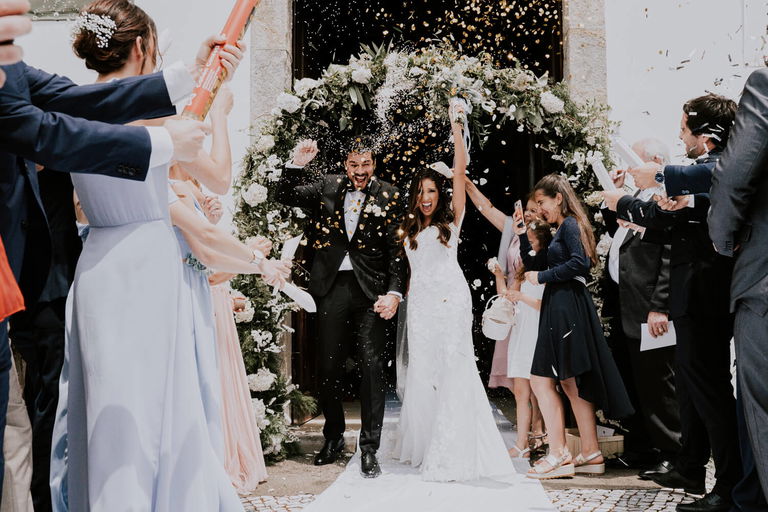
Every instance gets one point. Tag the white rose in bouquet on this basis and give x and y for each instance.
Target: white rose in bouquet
(303, 86)
(362, 75)
(551, 103)
(265, 143)
(604, 245)
(255, 194)
(288, 102)
(262, 380)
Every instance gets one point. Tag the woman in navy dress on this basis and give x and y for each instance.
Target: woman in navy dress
(571, 350)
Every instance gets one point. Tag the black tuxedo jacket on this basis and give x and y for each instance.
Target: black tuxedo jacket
(35, 126)
(699, 277)
(739, 214)
(375, 251)
(644, 277)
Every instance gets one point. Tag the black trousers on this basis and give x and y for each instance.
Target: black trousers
(653, 376)
(707, 404)
(748, 495)
(347, 324)
(38, 335)
(751, 334)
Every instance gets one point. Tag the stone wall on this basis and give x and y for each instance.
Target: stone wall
(585, 62)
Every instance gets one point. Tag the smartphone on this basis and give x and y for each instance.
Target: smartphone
(519, 211)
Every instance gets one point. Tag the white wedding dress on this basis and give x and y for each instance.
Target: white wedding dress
(446, 425)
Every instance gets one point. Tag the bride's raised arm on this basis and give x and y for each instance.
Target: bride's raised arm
(459, 164)
(484, 205)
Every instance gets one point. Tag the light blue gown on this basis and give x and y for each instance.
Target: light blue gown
(131, 431)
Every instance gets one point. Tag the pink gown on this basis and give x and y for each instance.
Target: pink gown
(499, 378)
(243, 458)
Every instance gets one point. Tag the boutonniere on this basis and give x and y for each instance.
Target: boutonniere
(374, 209)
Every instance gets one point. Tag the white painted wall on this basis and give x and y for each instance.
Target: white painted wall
(189, 21)
(647, 40)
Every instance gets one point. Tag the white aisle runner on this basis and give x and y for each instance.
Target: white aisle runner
(401, 489)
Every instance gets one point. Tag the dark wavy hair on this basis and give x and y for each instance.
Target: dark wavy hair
(543, 233)
(712, 115)
(553, 184)
(413, 221)
(131, 22)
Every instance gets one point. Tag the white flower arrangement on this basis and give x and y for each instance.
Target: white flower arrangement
(551, 103)
(255, 194)
(261, 380)
(604, 245)
(288, 102)
(261, 338)
(260, 412)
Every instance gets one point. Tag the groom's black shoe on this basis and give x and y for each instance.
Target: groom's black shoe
(330, 452)
(674, 480)
(369, 466)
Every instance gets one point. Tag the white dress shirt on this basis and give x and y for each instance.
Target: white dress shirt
(620, 237)
(353, 204)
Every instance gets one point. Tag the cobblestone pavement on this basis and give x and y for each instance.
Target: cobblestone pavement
(571, 500)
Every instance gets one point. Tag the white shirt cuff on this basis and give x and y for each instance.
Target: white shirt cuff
(396, 294)
(691, 201)
(162, 146)
(291, 165)
(178, 81)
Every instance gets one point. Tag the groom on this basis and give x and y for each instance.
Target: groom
(358, 279)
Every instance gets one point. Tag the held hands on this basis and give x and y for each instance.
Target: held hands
(187, 137)
(304, 152)
(658, 324)
(387, 306)
(230, 55)
(275, 272)
(213, 209)
(645, 175)
(532, 277)
(12, 25)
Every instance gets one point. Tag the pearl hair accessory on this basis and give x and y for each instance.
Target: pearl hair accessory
(102, 25)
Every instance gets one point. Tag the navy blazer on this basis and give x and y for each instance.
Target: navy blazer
(36, 126)
(682, 180)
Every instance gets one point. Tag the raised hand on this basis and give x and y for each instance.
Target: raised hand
(230, 55)
(187, 137)
(12, 25)
(224, 102)
(519, 222)
(645, 175)
(618, 177)
(261, 244)
(304, 152)
(275, 272)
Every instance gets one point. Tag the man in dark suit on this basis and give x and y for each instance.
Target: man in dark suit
(36, 126)
(698, 306)
(738, 225)
(358, 279)
(641, 270)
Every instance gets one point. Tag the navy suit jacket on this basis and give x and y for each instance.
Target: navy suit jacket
(36, 125)
(682, 180)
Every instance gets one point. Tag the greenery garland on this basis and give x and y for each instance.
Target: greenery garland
(394, 89)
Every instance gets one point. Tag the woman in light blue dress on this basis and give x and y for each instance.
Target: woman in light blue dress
(131, 431)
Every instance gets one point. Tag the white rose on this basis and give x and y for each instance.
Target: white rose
(260, 412)
(288, 102)
(303, 86)
(262, 380)
(551, 103)
(255, 194)
(265, 143)
(299, 213)
(362, 75)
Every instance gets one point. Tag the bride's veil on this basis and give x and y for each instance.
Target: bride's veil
(401, 349)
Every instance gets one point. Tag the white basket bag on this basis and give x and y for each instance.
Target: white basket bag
(498, 317)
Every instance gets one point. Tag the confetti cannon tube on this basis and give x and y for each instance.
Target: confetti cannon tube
(214, 74)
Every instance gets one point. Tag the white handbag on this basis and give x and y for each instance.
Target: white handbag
(498, 317)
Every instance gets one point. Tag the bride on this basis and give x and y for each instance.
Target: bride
(446, 424)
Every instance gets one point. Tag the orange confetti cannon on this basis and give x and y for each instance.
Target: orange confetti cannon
(214, 74)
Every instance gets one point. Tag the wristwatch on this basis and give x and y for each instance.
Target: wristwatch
(257, 258)
(659, 176)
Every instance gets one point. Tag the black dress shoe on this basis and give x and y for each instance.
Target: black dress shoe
(675, 480)
(369, 466)
(662, 468)
(330, 452)
(710, 503)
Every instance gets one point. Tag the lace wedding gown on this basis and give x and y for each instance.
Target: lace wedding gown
(446, 423)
